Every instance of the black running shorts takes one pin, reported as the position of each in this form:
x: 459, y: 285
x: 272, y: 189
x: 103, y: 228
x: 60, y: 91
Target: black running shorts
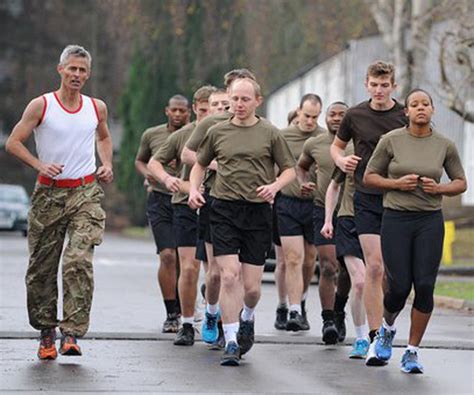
x: 241, y: 228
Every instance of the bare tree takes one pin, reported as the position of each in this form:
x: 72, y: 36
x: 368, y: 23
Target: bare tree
x: 406, y: 30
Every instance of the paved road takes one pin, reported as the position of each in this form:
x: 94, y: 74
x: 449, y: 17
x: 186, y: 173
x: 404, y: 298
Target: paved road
x: 128, y: 354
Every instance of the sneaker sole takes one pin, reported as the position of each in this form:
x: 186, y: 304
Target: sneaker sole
x: 358, y: 356
x: 183, y: 343
x: 412, y: 371
x: 293, y: 326
x: 280, y: 327
x: 374, y: 361
x: 71, y: 352
x: 230, y: 362
x: 330, y: 337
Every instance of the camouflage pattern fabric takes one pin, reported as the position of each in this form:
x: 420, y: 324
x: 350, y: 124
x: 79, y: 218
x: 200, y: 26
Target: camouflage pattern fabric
x: 54, y: 213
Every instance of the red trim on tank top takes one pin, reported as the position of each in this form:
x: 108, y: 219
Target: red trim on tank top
x: 96, y: 109
x: 44, y: 110
x: 65, y: 109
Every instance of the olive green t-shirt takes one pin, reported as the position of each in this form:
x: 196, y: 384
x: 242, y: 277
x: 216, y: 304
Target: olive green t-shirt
x: 364, y: 126
x: 171, y: 150
x: 246, y: 156
x: 346, y: 200
x: 198, y: 135
x: 400, y: 153
x: 151, y: 141
x: 295, y: 139
x: 316, y: 149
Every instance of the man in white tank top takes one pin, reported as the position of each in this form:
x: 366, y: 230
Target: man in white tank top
x: 66, y: 199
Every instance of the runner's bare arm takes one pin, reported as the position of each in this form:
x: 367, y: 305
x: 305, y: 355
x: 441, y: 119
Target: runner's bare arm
x: 158, y: 171
x: 347, y: 163
x: 104, y: 145
x: 22, y: 131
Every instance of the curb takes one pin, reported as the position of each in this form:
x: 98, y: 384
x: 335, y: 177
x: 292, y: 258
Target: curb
x: 448, y: 302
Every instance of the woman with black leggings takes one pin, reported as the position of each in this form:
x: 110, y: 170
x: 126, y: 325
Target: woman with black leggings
x: 408, y: 164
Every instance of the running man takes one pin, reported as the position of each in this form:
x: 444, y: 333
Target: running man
x: 348, y: 249
x: 316, y: 151
x: 246, y: 148
x: 184, y: 218
x: 294, y: 209
x: 159, y: 207
x: 365, y: 123
x: 66, y: 200
x: 218, y: 101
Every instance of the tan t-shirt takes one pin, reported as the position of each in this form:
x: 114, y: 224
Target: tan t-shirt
x: 316, y: 149
x: 171, y: 151
x: 246, y: 157
x: 296, y: 139
x: 151, y: 141
x: 198, y: 135
x: 346, y: 199
x: 399, y: 153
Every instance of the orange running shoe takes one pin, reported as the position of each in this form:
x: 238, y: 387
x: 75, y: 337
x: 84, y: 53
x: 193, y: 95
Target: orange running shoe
x: 69, y: 346
x: 47, y: 347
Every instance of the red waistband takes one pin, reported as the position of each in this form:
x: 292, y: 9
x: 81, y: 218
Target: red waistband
x: 67, y: 182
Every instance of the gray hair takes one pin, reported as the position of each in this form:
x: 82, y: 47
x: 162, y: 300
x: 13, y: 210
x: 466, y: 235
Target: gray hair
x: 74, y: 50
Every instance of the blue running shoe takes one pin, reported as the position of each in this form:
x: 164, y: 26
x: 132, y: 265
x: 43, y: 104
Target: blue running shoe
x: 210, y: 332
x: 372, y: 359
x: 359, y: 349
x: 409, y: 363
x: 231, y: 356
x: 383, y: 343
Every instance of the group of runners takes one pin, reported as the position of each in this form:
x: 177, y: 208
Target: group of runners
x: 363, y: 195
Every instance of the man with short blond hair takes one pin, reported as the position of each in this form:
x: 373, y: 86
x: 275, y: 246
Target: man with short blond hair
x: 246, y: 148
x: 364, y: 124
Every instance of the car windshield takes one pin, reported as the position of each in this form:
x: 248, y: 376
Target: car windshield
x: 13, y: 195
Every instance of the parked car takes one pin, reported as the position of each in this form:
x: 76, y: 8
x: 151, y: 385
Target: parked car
x: 14, y: 205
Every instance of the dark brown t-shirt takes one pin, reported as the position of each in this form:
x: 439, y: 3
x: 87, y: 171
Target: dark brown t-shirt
x: 198, y: 135
x: 246, y: 157
x: 365, y: 126
x: 295, y: 139
x: 151, y: 141
x: 171, y: 151
x: 400, y: 153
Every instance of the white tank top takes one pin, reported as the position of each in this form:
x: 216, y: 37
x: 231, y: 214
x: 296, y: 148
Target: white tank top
x: 68, y: 137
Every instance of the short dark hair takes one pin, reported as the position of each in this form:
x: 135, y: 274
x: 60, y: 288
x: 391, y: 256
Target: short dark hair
x: 407, y: 98
x: 311, y: 97
x: 179, y: 97
x: 337, y: 103
x: 380, y: 69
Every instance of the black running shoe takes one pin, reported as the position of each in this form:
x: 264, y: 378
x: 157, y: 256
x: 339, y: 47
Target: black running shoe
x: 171, y: 324
x: 305, y: 323
x: 231, y: 356
x: 339, y: 320
x: 246, y: 336
x: 219, y: 344
x: 281, y: 318
x: 185, y: 336
x: 330, y: 334
x: 295, y: 322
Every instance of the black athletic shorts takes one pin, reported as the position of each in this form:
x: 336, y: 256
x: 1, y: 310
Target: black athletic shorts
x: 159, y: 211
x: 368, y: 210
x: 201, y: 254
x: 185, y: 225
x: 347, y: 240
x: 204, y: 224
x: 295, y: 217
x: 318, y: 221
x: 275, y: 231
x: 241, y: 228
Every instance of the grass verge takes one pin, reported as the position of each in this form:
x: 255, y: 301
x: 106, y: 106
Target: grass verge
x: 454, y: 289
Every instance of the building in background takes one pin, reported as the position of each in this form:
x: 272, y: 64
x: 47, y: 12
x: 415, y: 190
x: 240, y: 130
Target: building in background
x: 341, y: 78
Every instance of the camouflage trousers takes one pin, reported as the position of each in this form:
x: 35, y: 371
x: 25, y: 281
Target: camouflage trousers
x: 55, y: 213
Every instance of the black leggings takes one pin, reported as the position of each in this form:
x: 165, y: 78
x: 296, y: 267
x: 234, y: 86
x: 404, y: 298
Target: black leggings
x: 412, y: 246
